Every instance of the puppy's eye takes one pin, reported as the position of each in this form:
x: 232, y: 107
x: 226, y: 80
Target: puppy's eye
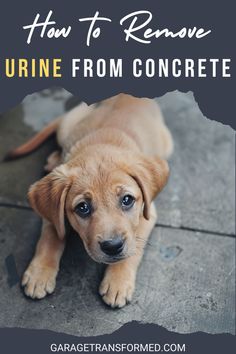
x: 83, y: 209
x: 127, y: 202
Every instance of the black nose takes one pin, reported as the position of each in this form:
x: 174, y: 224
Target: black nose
x: 113, y: 246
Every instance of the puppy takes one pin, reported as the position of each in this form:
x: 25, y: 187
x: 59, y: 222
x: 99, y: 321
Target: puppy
x: 111, y: 167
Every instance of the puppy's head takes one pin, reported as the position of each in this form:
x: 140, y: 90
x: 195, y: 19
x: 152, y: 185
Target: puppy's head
x: 104, y: 195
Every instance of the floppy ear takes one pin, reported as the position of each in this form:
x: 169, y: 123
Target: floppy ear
x: 47, y: 197
x: 151, y: 174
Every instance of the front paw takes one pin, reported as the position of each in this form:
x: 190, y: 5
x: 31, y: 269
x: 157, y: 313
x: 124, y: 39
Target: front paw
x: 117, y: 288
x: 38, y: 281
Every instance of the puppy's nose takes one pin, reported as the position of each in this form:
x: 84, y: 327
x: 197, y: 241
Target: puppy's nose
x: 113, y: 246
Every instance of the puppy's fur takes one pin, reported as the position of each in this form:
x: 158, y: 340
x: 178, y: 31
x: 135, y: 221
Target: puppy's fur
x: 108, y: 151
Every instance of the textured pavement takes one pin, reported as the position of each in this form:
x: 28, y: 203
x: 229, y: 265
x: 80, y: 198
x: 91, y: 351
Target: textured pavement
x: 186, y: 281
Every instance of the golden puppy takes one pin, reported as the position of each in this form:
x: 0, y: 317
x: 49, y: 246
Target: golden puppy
x: 111, y: 168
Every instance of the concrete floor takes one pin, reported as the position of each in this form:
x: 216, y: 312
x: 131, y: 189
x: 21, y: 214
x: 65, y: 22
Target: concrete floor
x: 186, y: 281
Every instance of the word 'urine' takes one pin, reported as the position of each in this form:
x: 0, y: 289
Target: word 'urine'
x: 33, y: 67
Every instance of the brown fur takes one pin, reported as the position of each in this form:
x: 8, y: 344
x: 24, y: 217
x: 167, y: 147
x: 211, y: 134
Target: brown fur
x: 109, y: 151
x: 34, y: 142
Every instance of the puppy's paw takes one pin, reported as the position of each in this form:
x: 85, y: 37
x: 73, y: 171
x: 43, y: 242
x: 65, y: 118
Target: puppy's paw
x: 39, y: 281
x: 117, y: 291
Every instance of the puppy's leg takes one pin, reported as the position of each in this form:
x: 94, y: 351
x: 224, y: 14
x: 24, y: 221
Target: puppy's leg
x: 53, y: 160
x: 167, y: 142
x: 39, y: 278
x: 118, y: 284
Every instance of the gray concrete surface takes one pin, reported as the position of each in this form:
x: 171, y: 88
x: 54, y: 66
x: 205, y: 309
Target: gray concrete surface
x: 186, y: 281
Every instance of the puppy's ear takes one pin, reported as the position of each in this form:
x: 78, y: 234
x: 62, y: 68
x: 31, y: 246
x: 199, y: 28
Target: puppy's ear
x: 48, y: 196
x: 151, y: 174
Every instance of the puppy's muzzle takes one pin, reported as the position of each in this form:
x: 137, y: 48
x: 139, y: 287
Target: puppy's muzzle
x: 113, y: 247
